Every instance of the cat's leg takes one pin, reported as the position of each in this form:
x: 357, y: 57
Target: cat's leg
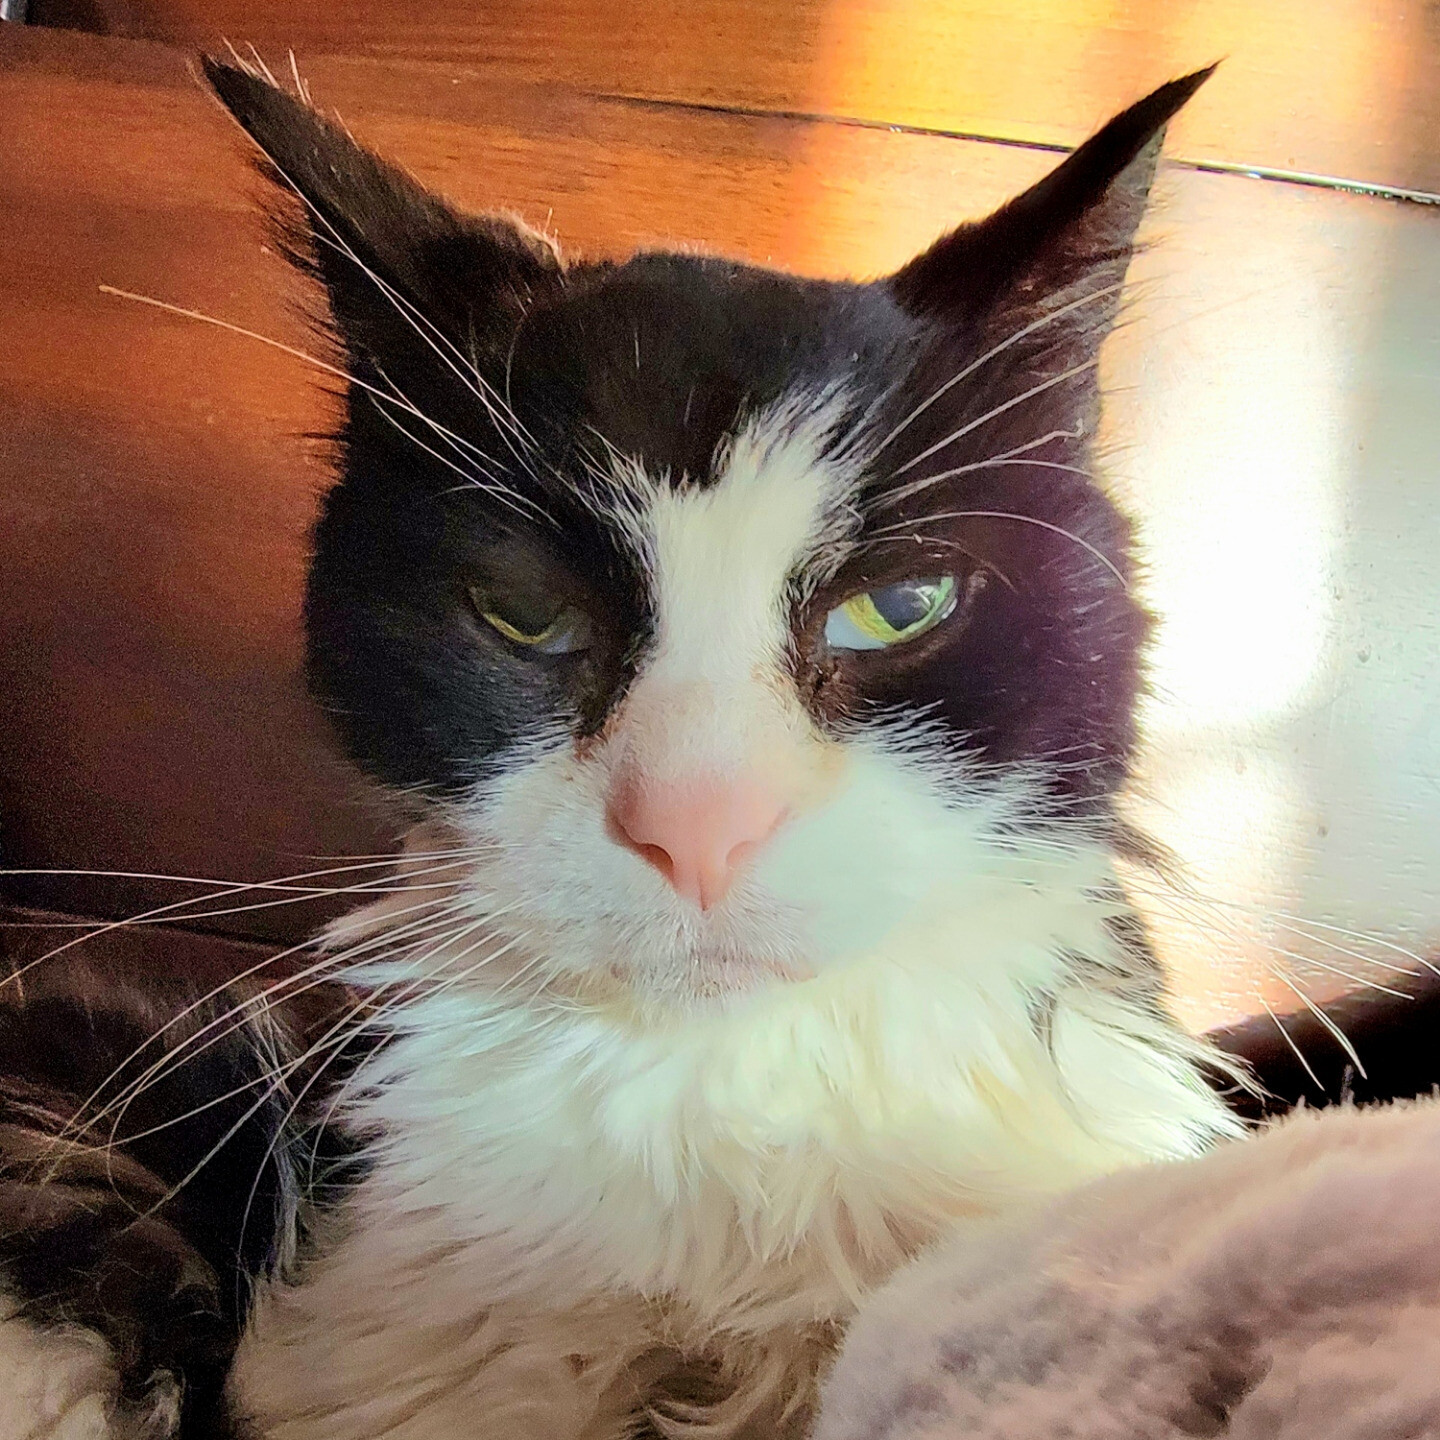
x: 129, y: 1242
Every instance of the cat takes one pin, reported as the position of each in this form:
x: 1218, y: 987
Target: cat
x: 755, y: 660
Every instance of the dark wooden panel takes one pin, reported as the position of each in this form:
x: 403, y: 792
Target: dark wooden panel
x: 154, y: 504
x: 1347, y: 88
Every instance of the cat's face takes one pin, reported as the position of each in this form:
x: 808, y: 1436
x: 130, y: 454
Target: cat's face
x: 733, y: 618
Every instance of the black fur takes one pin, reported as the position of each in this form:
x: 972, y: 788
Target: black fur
x: 657, y: 360
x: 151, y: 1224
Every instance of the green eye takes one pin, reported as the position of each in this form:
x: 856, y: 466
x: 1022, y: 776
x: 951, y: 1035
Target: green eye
x: 535, y: 624
x: 892, y: 615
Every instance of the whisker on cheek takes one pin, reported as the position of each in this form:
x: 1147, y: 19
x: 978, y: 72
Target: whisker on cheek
x: 229, y: 1022
x: 183, y: 911
x: 995, y: 411
x: 369, y: 1013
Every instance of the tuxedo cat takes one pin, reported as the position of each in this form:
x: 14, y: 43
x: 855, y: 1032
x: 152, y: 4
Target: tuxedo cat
x: 756, y: 660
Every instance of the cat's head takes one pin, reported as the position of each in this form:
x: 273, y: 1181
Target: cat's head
x: 735, y: 618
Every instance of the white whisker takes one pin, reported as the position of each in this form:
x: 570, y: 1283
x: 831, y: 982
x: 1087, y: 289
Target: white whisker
x: 227, y: 1023
x: 1341, y: 1038
x: 349, y: 1029
x: 1047, y: 319
x: 239, y: 1124
x: 391, y: 1003
x: 285, y: 349
x: 1008, y: 458
x: 178, y: 911
x: 1039, y: 388
x: 1361, y: 982
x: 484, y: 464
x: 1286, y: 1036
x: 177, y: 1056
x: 262, y: 67
x: 1297, y: 924
x: 503, y: 493
x: 1024, y: 520
x: 301, y: 88
x: 265, y: 1001
x: 502, y: 416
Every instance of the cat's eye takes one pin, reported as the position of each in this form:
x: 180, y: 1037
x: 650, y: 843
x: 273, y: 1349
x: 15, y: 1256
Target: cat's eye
x: 891, y: 615
x: 537, y: 624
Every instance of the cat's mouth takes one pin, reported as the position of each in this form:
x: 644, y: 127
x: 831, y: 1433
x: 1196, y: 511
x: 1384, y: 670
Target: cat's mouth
x: 728, y: 972
x: 655, y: 944
x: 733, y: 949
x: 718, y: 979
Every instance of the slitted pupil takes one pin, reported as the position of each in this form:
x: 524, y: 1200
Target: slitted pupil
x: 901, y: 606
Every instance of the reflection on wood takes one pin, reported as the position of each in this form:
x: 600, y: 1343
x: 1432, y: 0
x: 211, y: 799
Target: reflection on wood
x: 1339, y: 87
x: 1274, y: 421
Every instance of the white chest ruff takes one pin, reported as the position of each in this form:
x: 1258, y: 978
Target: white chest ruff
x: 569, y: 1181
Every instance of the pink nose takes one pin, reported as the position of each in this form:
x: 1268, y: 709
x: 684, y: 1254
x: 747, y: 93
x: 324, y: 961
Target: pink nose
x: 699, y: 836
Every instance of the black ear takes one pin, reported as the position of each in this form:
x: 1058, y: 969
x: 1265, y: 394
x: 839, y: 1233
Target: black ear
x: 380, y: 241
x: 1077, y: 224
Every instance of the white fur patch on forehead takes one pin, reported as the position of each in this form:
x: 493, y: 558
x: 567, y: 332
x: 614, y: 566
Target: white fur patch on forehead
x: 724, y: 559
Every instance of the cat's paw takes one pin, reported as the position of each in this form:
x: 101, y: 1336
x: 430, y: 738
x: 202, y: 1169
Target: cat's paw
x: 62, y: 1384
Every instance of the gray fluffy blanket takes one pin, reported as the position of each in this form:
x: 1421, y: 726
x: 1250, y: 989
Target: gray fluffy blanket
x: 1286, y: 1286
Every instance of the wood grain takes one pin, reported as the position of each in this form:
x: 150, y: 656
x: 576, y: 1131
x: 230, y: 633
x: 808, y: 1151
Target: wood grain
x: 1346, y: 88
x: 154, y: 502
x: 1275, y: 414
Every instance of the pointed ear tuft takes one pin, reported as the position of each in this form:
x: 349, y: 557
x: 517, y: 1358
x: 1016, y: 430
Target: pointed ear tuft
x: 1079, y: 222
x: 368, y: 226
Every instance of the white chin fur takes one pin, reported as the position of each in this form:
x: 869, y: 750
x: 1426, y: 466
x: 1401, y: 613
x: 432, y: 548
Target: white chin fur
x: 898, y: 848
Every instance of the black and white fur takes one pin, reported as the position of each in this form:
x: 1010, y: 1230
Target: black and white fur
x: 627, y: 1166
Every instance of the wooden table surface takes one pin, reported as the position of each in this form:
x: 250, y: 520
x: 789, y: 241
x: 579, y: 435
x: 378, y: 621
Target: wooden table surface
x: 1274, y: 414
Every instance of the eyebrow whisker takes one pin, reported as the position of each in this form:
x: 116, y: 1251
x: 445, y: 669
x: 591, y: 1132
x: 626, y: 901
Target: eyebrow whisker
x: 1038, y: 324
x: 1024, y: 520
